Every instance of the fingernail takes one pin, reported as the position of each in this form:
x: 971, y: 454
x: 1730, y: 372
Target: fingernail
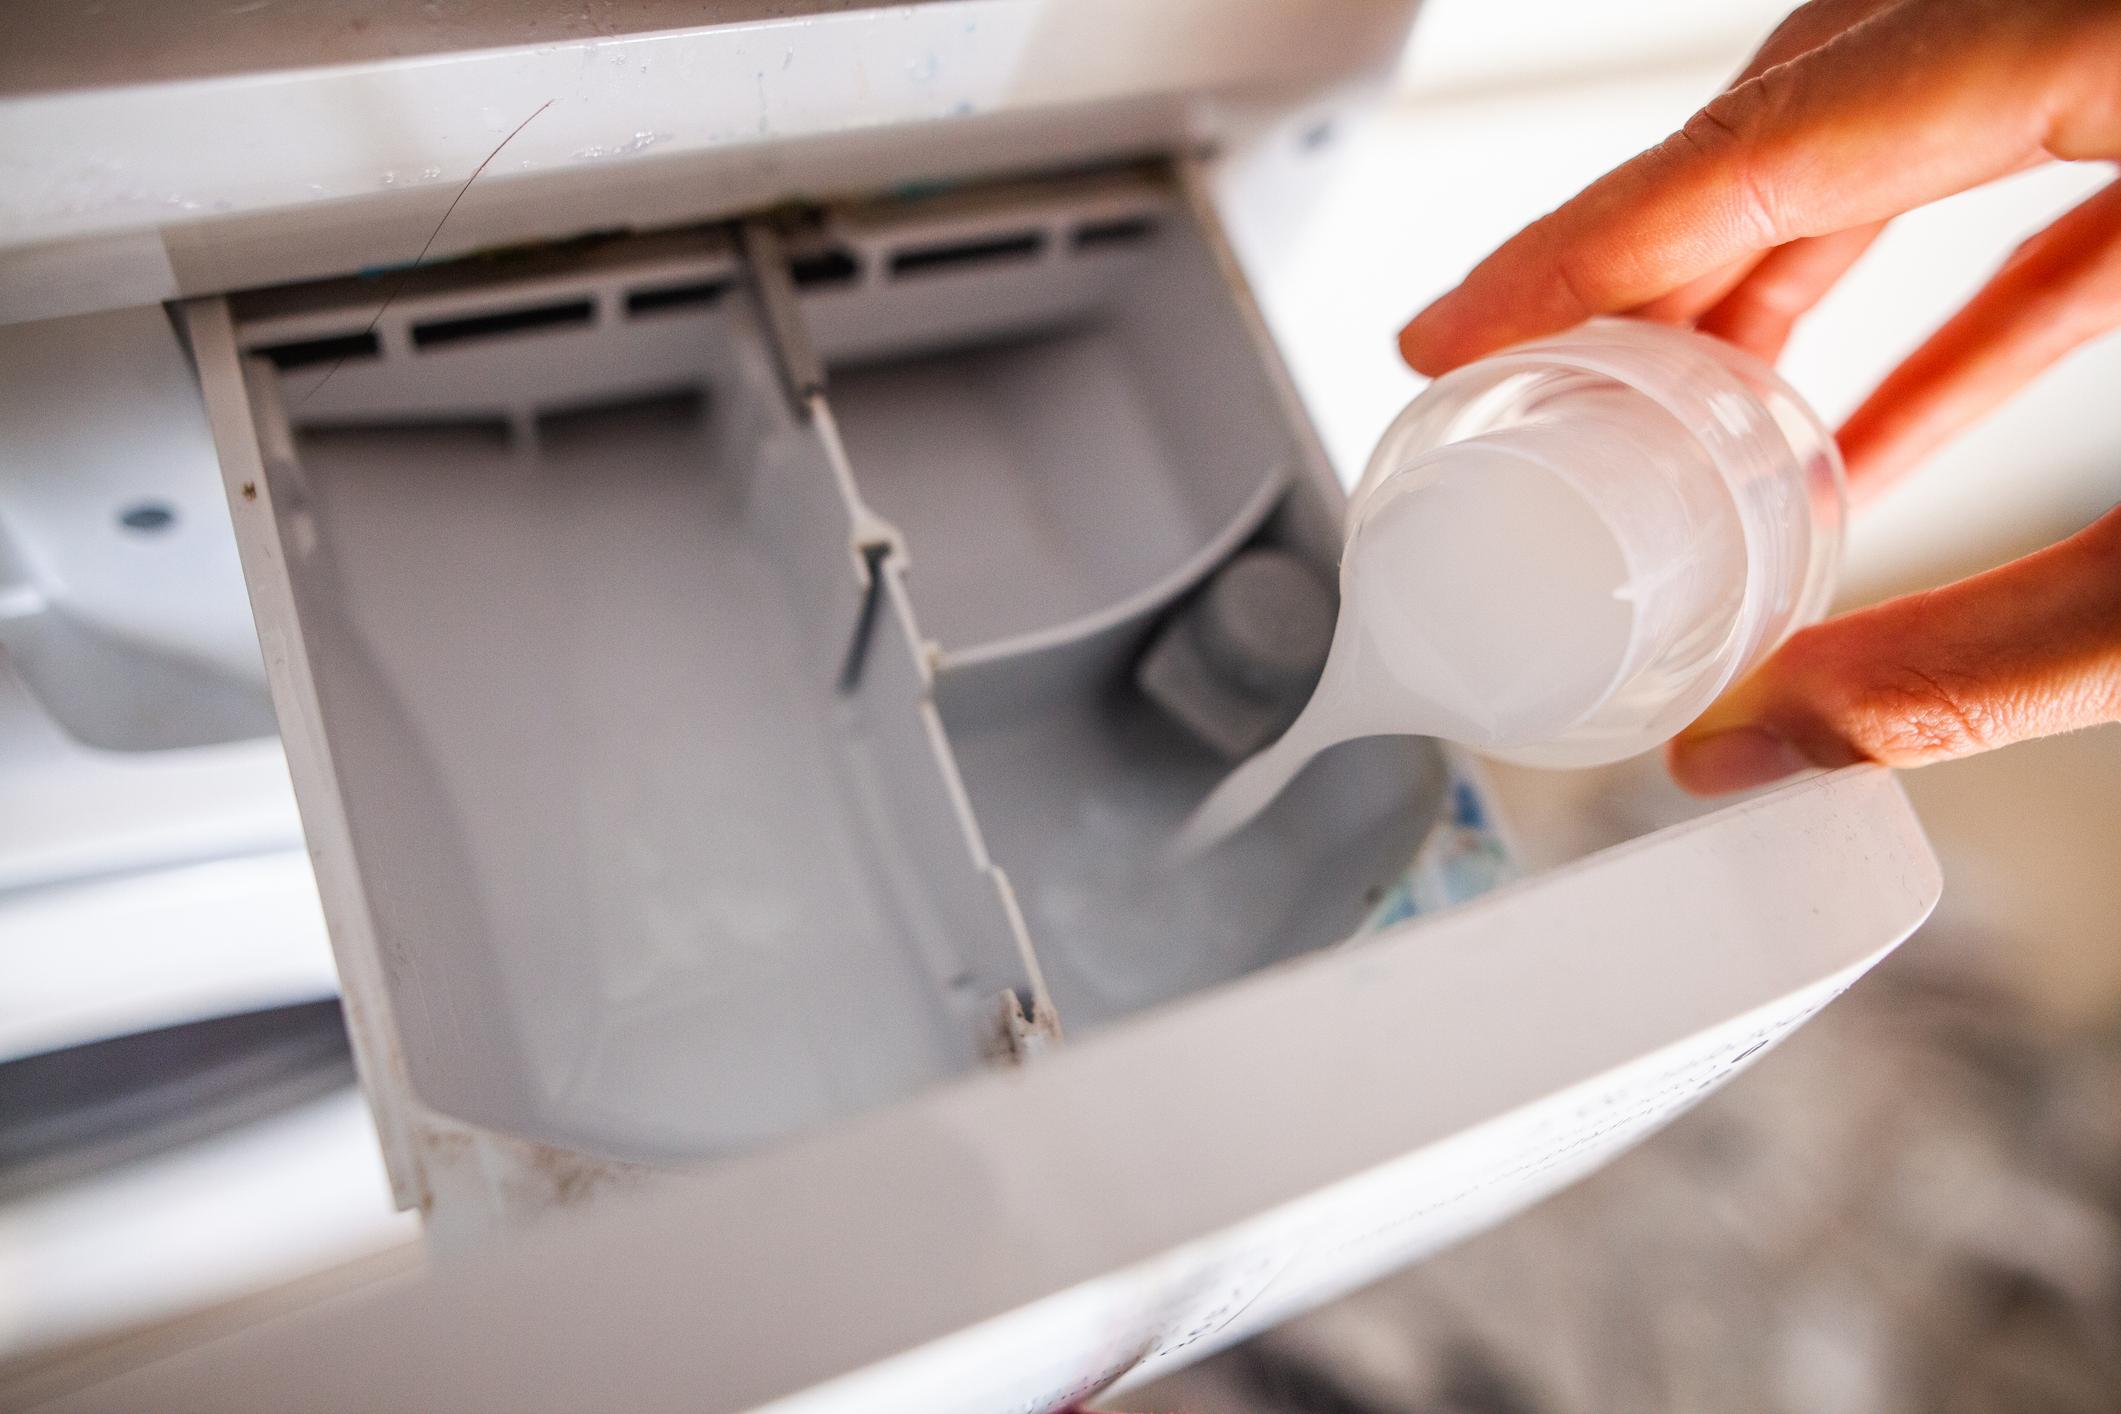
x: 1738, y: 758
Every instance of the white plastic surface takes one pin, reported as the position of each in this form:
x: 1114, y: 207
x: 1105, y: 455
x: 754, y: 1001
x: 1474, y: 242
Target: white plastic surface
x: 75, y: 813
x: 268, y: 1202
x: 1021, y: 1241
x: 86, y: 961
x: 121, y: 601
x: 161, y: 150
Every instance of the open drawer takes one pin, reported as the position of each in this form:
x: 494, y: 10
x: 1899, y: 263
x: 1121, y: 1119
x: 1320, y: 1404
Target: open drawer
x: 705, y: 666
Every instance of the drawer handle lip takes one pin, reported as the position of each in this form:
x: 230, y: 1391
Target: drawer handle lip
x: 566, y: 313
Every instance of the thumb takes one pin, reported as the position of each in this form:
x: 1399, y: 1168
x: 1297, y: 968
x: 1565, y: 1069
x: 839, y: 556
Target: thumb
x: 2025, y: 650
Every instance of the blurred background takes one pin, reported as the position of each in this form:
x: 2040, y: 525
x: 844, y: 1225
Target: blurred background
x: 1915, y: 1205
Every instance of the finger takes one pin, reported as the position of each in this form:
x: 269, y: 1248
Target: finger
x: 1803, y: 30
x: 2022, y: 651
x: 2058, y: 290
x: 1759, y: 313
x: 1806, y: 28
x: 1845, y: 135
x: 1756, y: 301
x: 1701, y: 294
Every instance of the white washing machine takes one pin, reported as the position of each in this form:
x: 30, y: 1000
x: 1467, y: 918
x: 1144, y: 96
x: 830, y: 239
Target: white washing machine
x: 703, y: 476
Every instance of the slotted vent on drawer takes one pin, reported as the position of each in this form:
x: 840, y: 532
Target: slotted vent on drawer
x: 332, y: 348
x: 1107, y: 235
x: 654, y: 299
x: 956, y: 255
x: 561, y: 314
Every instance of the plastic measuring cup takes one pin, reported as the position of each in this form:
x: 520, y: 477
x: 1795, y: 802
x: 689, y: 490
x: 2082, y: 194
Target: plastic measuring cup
x: 1561, y: 554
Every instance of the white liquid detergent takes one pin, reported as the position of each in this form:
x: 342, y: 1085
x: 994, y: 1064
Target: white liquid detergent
x: 1560, y: 555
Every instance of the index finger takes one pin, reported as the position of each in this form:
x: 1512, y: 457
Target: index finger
x: 1904, y: 107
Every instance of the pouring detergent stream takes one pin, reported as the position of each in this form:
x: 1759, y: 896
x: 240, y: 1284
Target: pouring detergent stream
x: 1560, y: 555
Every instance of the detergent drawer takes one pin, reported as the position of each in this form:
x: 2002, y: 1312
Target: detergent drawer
x: 705, y: 662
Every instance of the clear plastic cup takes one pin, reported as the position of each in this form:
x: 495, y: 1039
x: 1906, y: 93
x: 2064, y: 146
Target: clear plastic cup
x: 1561, y: 554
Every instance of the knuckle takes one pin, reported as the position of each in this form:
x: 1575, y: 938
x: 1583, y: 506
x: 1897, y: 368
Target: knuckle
x: 1913, y: 714
x: 1718, y: 128
x: 1747, y: 113
x: 1726, y: 135
x: 1901, y: 714
x: 2074, y: 45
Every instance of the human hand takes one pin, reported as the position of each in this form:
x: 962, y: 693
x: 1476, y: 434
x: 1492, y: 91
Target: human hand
x: 1853, y: 112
